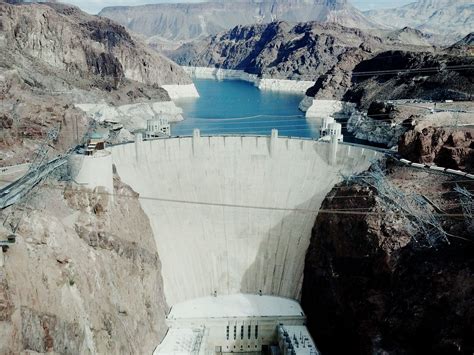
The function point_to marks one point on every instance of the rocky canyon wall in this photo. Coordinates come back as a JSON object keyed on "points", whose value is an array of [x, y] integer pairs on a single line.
{"points": [[83, 277], [370, 287]]}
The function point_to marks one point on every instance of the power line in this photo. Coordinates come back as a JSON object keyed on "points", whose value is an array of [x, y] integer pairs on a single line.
{"points": [[358, 196], [352, 211], [417, 70]]}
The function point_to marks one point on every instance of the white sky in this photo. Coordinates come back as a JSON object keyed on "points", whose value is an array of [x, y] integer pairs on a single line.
{"points": [[94, 6]]}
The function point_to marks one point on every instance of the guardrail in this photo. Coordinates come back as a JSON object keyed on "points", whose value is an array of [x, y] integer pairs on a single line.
{"points": [[437, 168], [258, 135]]}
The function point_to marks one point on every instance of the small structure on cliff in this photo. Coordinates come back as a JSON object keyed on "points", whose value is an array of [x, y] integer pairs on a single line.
{"points": [[92, 167], [95, 143], [330, 128], [157, 127]]}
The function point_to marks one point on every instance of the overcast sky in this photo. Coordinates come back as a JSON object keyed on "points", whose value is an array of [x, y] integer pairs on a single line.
{"points": [[94, 6]]}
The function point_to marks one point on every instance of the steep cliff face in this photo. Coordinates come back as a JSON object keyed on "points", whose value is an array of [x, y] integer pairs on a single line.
{"points": [[53, 56], [68, 39], [411, 75], [83, 277], [447, 147], [345, 63], [371, 287]]}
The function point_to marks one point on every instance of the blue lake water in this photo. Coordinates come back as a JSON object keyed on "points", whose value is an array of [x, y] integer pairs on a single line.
{"points": [[235, 106]]}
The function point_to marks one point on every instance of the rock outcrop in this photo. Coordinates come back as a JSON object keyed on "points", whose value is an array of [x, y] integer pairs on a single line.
{"points": [[410, 36], [370, 287], [463, 47], [447, 147], [395, 75], [386, 122], [83, 277]]}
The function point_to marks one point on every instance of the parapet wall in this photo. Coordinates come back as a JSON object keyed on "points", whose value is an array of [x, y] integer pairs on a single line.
{"points": [[234, 214]]}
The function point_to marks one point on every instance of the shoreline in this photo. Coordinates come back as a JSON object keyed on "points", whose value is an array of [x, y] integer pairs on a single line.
{"points": [[311, 107], [283, 85]]}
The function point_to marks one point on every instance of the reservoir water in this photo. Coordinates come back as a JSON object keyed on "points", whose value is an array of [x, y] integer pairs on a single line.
{"points": [[235, 106]]}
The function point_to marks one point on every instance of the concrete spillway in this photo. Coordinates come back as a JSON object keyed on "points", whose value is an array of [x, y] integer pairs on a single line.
{"points": [[210, 237]]}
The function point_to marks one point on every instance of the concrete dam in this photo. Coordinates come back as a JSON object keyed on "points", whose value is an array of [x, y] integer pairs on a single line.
{"points": [[234, 214], [232, 219]]}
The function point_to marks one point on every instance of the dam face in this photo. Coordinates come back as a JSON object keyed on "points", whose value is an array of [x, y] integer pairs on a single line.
{"points": [[234, 214]]}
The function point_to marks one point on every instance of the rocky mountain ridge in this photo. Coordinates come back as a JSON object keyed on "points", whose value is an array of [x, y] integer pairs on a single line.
{"points": [[341, 60], [279, 49], [167, 25], [184, 22], [66, 38], [450, 20], [411, 75]]}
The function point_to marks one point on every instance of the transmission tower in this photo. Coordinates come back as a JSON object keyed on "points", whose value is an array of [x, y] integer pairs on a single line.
{"points": [[39, 160], [423, 225], [467, 203]]}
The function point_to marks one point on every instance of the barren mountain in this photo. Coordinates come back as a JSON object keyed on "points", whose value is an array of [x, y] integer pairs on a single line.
{"points": [[451, 19], [463, 47], [410, 36], [53, 56], [164, 22], [344, 62], [278, 49]]}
